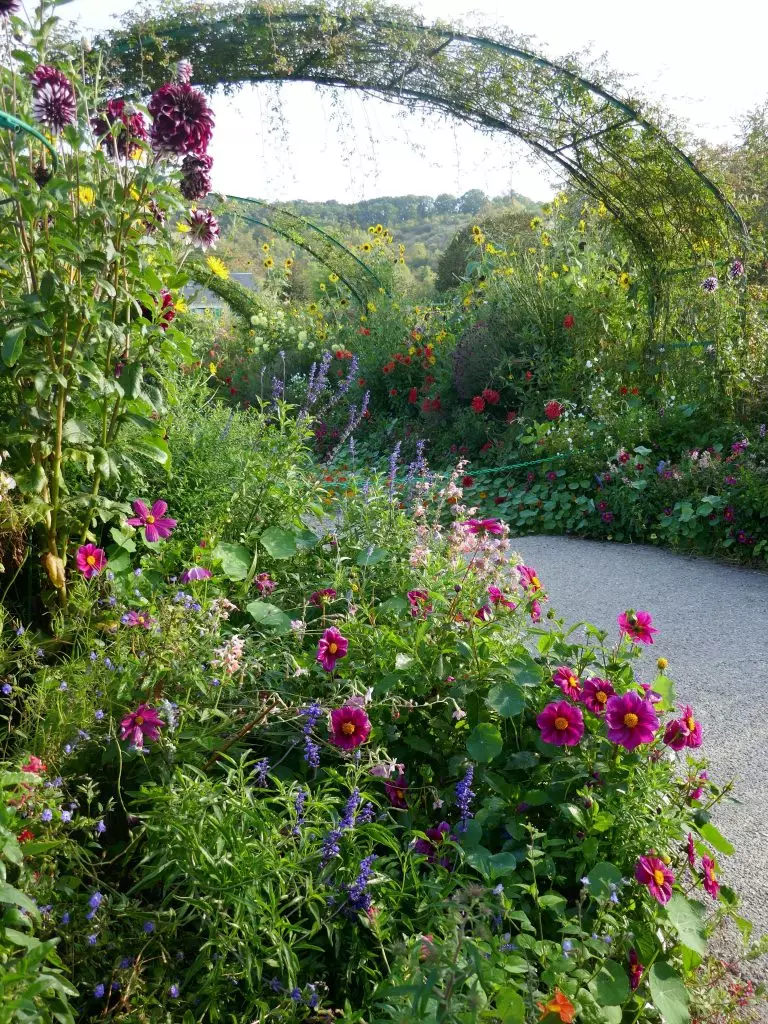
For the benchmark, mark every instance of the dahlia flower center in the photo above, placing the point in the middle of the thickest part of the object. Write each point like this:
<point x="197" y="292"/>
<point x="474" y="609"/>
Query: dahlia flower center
<point x="91" y="560"/>
<point x="658" y="876"/>
<point x="348" y="728"/>
<point x="536" y="582"/>
<point x="333" y="648"/>
<point x="631" y="720"/>
<point x="573" y="682"/>
<point x="691" y="723"/>
<point x="601" y="696"/>
<point x="150" y="520"/>
<point x="561" y="723"/>
<point x="139" y="720"/>
<point x="400" y="793"/>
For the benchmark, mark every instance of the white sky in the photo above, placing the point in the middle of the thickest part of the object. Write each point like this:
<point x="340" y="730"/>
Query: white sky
<point x="704" y="59"/>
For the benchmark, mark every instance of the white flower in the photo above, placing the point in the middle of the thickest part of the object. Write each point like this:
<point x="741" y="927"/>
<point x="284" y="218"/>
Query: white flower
<point x="458" y="714"/>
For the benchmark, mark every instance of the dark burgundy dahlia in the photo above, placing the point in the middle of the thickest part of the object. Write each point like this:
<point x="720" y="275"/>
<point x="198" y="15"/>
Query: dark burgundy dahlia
<point x="182" y="120"/>
<point x="8" y="7"/>
<point x="119" y="129"/>
<point x="203" y="228"/>
<point x="196" y="180"/>
<point x="53" y="104"/>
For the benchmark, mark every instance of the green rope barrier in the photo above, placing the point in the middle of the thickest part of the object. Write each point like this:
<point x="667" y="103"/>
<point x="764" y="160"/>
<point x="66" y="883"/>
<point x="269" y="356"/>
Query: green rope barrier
<point x="15" y="125"/>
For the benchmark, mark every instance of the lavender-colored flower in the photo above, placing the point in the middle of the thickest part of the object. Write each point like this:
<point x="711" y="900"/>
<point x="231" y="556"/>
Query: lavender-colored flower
<point x="66" y="816"/>
<point x="736" y="270"/>
<point x="260" y="770"/>
<point x="53" y="103"/>
<point x="196" y="176"/>
<point x="275" y="985"/>
<point x="47" y="814"/>
<point x="392" y="475"/>
<point x="66" y="917"/>
<point x="101" y="828"/>
<point x="464" y="796"/>
<point x="93" y="939"/>
<point x="278" y="389"/>
<point x="359" y="897"/>
<point x="710" y="284"/>
<point x="148" y="927"/>
<point x="203" y="229"/>
<point x="348" y="818"/>
<point x="298" y="804"/>
<point x="173" y="991"/>
<point x="295" y="995"/>
<point x="7" y="689"/>
<point x="99" y="990"/>
<point x="366" y="815"/>
<point x="182" y="120"/>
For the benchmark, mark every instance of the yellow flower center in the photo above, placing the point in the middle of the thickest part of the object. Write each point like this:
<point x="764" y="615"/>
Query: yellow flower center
<point x="631" y="720"/>
<point x="138" y="720"/>
<point x="561" y="723"/>
<point x="601" y="696"/>
<point x="573" y="682"/>
<point x="150" y="519"/>
<point x="348" y="728"/>
<point x="536" y="581"/>
<point x="691" y="723"/>
<point x="333" y="648"/>
<point x="91" y="560"/>
<point x="658" y="876"/>
<point x="400" y="794"/>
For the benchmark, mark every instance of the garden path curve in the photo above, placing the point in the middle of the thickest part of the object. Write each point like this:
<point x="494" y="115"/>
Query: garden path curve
<point x="713" y="628"/>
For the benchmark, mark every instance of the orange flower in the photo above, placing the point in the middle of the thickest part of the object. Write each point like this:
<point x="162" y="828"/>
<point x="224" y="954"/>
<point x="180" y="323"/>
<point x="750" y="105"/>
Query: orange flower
<point x="559" y="1005"/>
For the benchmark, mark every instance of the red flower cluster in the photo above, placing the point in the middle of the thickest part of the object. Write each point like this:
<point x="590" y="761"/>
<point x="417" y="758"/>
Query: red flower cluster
<point x="553" y="410"/>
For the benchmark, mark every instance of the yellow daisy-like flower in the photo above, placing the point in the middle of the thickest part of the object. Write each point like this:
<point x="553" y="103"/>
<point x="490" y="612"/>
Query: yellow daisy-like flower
<point x="467" y="301"/>
<point x="366" y="246"/>
<point x="181" y="306"/>
<point x="269" y="262"/>
<point x="288" y="263"/>
<point x="312" y="307"/>
<point x="378" y="229"/>
<point x="333" y="278"/>
<point x="546" y="208"/>
<point x="344" y="302"/>
<point x="545" y="239"/>
<point x="265" y="247"/>
<point x="476" y="229"/>
<point x="479" y="239"/>
<point x="86" y="195"/>
<point x="535" y="223"/>
<point x="624" y="280"/>
<point x="371" y="230"/>
<point x="411" y="351"/>
<point x="322" y="286"/>
<point x="582" y="226"/>
<point x="217" y="267"/>
<point x="371" y="307"/>
<point x="212" y="369"/>
<point x="401" y="259"/>
<point x="182" y="227"/>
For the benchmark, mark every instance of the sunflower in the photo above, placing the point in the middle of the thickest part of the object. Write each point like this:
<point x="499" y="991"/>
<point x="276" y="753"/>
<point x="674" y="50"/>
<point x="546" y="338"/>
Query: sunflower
<point x="378" y="229"/>
<point x="269" y="262"/>
<point x="624" y="280"/>
<point x="86" y="195"/>
<point x="321" y="286"/>
<point x="333" y="278"/>
<point x="366" y="246"/>
<point x="265" y="247"/>
<point x="288" y="263"/>
<point x="217" y="267"/>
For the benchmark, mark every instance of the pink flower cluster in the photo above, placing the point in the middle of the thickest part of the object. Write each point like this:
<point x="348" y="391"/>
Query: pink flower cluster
<point x="229" y="655"/>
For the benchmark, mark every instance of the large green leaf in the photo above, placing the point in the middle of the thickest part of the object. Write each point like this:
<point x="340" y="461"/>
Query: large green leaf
<point x="715" y="838"/>
<point x="602" y="877"/>
<point x="279" y="542"/>
<point x="13" y="343"/>
<point x="235" y="560"/>
<point x="668" y="993"/>
<point x="687" y="918"/>
<point x="510" y="1007"/>
<point x="269" y="615"/>
<point x="506" y="699"/>
<point x="484" y="742"/>
<point x="8" y="894"/>
<point x="611" y="986"/>
<point x="371" y="556"/>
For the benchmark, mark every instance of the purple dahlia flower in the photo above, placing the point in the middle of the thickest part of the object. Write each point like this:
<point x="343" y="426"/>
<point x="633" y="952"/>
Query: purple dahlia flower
<point x="182" y="120"/>
<point x="736" y="270"/>
<point x="710" y="284"/>
<point x="196" y="181"/>
<point x="8" y="7"/>
<point x="203" y="229"/>
<point x="119" y="130"/>
<point x="54" y="104"/>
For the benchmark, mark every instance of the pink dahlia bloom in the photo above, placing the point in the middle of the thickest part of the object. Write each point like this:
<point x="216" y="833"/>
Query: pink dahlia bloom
<point x="90" y="560"/>
<point x="561" y="723"/>
<point x="567" y="680"/>
<point x="637" y="626"/>
<point x="53" y="104"/>
<point x="631" y="720"/>
<point x="653" y="872"/>
<point x="350" y="726"/>
<point x="528" y="578"/>
<point x="119" y="129"/>
<point x="195" y="574"/>
<point x="596" y="694"/>
<point x="636" y="969"/>
<point x="332" y="646"/>
<point x="497" y="597"/>
<point x="691" y="851"/>
<point x="143" y="723"/>
<point x="397" y="792"/>
<point x="684" y="731"/>
<point x="484" y="526"/>
<point x="157" y="526"/>
<point x="34" y="766"/>
<point x="321" y="597"/>
<point x="419" y="602"/>
<point x="182" y="120"/>
<point x="711" y="883"/>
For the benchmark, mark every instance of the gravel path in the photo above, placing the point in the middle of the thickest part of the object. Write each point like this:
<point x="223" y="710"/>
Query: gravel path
<point x="713" y="628"/>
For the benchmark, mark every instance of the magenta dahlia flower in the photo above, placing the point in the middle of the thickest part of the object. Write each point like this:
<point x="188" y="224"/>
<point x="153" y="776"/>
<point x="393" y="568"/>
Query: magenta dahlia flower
<point x="528" y="578"/>
<point x="711" y="884"/>
<point x="561" y="723"/>
<point x="691" y="851"/>
<point x="119" y="129"/>
<point x="157" y="526"/>
<point x="203" y="229"/>
<point x="653" y="872"/>
<point x="497" y="597"/>
<point x="265" y="583"/>
<point x="553" y="410"/>
<point x="53" y="98"/>
<point x="631" y="720"/>
<point x="684" y="731"/>
<point x="182" y="121"/>
<point x="637" y="626"/>
<point x="90" y="560"/>
<point x="143" y="723"/>
<point x="196" y="177"/>
<point x="535" y="612"/>
<point x="419" y="602"/>
<point x="134" y="618"/>
<point x="596" y="694"/>
<point x="164" y="312"/>
<point x="430" y="846"/>
<point x="397" y="792"/>
<point x="566" y="679"/>
<point x="320" y="597"/>
<point x="8" y="7"/>
<point x="195" y="574"/>
<point x="636" y="970"/>
<point x="350" y="726"/>
<point x="485" y="614"/>
<point x="331" y="647"/>
<point x="484" y="526"/>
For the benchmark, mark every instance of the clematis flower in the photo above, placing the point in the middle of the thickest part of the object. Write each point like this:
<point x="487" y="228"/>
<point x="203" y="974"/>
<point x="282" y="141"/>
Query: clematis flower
<point x="34" y="766"/>
<point x="684" y="731"/>
<point x="528" y="578"/>
<point x="134" y="618"/>
<point x="332" y="646"/>
<point x="350" y="726"/>
<point x="430" y="846"/>
<point x="596" y="694"/>
<point x="195" y="574"/>
<point x="484" y="526"/>
<point x="561" y="723"/>
<point x="636" y="969"/>
<point x="397" y="790"/>
<point x="653" y="872"/>
<point x="566" y="679"/>
<point x="321" y="597"/>
<point x="711" y="883"/>
<point x="182" y="121"/>
<point x="631" y="720"/>
<point x="637" y="626"/>
<point x="559" y="1005"/>
<point x="419" y="602"/>
<point x="90" y="560"/>
<point x="157" y="526"/>
<point x="143" y="723"/>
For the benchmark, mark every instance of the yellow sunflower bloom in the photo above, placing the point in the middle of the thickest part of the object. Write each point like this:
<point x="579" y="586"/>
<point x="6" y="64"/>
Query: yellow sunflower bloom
<point x="333" y="278"/>
<point x="265" y="247"/>
<point x="269" y="262"/>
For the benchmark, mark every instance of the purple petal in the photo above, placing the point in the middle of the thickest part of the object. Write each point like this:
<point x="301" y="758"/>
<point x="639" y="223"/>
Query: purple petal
<point x="140" y="509"/>
<point x="151" y="532"/>
<point x="159" y="509"/>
